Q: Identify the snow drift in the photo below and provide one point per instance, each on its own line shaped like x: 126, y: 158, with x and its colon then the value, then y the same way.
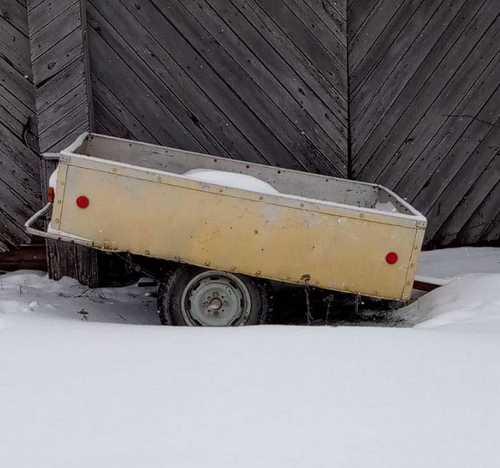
x: 77, y: 393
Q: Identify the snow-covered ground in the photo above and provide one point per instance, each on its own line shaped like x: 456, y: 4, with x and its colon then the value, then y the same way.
x: 88, y: 379
x: 447, y: 264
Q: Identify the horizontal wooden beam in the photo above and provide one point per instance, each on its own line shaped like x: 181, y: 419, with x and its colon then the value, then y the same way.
x: 26, y: 257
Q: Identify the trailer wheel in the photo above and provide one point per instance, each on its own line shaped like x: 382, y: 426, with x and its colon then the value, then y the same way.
x: 195, y: 297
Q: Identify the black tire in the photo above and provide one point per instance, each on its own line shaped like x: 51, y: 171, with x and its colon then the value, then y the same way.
x: 171, y: 296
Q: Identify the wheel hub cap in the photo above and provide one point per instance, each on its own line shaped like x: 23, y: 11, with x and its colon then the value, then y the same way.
x: 215, y: 299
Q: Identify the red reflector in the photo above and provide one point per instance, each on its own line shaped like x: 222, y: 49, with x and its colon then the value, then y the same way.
x: 82, y: 201
x: 51, y: 195
x: 391, y: 258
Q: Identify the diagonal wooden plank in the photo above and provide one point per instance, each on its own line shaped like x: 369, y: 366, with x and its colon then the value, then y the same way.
x: 203, y: 110
x: 60, y: 84
x: 14, y: 203
x: 449, y: 146
x: 214, y: 86
x: 431, y: 77
x: 466, y: 190
x: 367, y: 44
x: 56, y: 31
x: 114, y: 126
x: 458, y: 71
x: 32, y: 4
x: 107, y: 66
x: 480, y: 221
x: 126, y: 66
x: 116, y: 29
x: 302, y: 91
x: 11, y: 234
x: 330, y: 67
x: 19, y: 156
x: 308, y: 73
x: 333, y: 17
x: 16, y: 84
x: 61, y: 108
x: 482, y: 57
x: 358, y: 14
x: 15, y: 13
x: 19, y: 167
x: 10, y: 118
x: 428, y: 71
x: 3, y: 246
x: 239, y: 80
x: 14, y: 48
x: 76, y: 117
x: 47, y: 65
x: 407, y: 26
x: 492, y: 232
x: 404, y: 70
x: 113, y: 109
x: 101, y: 128
x: 71, y: 133
x: 327, y: 149
x: 18, y: 110
x: 315, y: 25
x: 45, y: 13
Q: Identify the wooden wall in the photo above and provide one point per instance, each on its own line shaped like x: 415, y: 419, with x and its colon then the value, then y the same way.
x: 59, y: 57
x: 251, y: 79
x: 425, y: 108
x: 267, y: 81
x: 19, y: 164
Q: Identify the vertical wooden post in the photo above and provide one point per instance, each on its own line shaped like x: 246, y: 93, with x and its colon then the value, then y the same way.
x: 59, y: 57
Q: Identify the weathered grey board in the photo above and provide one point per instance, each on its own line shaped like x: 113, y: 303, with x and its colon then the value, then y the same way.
x: 313, y: 123
x: 15, y: 14
x: 261, y: 81
x: 60, y: 26
x: 477, y: 176
x: 425, y: 108
x: 127, y: 126
x: 19, y: 163
x: 14, y: 48
x: 481, y: 225
x: 45, y: 12
x: 63, y: 105
x: 392, y: 124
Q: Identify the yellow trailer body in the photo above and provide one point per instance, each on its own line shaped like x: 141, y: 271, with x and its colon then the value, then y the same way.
x: 303, y: 234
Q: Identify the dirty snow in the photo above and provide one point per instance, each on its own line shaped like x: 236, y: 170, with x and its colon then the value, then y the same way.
x: 88, y: 378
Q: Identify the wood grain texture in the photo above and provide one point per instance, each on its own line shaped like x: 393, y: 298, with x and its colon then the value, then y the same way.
x: 249, y: 80
x: 46, y: 12
x: 63, y: 104
x: 19, y: 163
x: 60, y: 70
x: 14, y: 12
x: 425, y: 108
x: 53, y: 32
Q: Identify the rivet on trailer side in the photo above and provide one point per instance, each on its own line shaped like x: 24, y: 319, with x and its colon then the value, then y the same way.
x: 230, y: 227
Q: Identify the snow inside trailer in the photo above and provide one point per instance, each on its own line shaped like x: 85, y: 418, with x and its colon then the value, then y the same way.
x: 266, y: 179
